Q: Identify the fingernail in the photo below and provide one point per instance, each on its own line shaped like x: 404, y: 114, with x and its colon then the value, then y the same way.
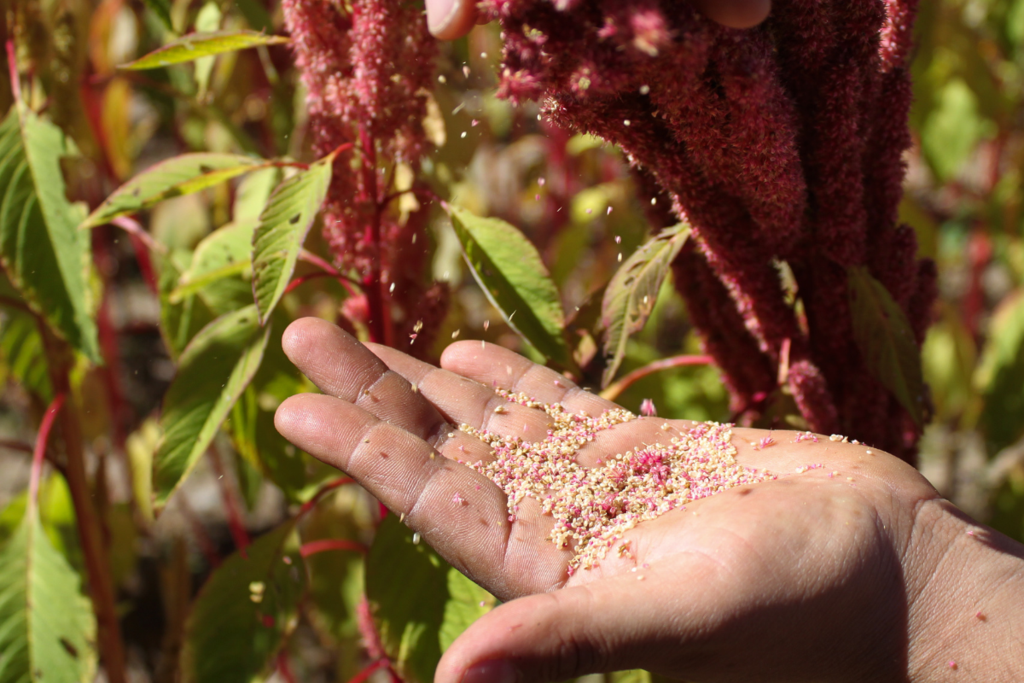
x: 494, y: 671
x: 439, y: 14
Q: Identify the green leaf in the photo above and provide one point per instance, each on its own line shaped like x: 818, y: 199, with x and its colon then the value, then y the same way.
x: 213, y: 371
x: 633, y: 291
x: 886, y: 341
x: 178, y: 176
x: 419, y: 602
x: 179, y: 322
x: 953, y: 129
x: 207, y: 21
x: 513, y: 276
x: 21, y: 348
x: 1000, y: 376
x: 162, y: 10
x: 46, y: 259
x: 244, y: 611
x: 282, y: 229
x: 218, y: 260
x: 193, y: 46
x: 46, y: 624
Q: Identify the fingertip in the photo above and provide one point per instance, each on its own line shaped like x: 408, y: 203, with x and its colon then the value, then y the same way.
x: 450, y: 19
x: 296, y: 336
x: 736, y: 13
x: 286, y: 417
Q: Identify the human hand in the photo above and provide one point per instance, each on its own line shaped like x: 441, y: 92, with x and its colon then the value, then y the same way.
x: 451, y: 19
x: 857, y: 571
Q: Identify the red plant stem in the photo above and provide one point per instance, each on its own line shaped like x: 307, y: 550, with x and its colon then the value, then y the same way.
x: 372, y: 285
x: 325, y: 544
x: 12, y: 69
x: 206, y: 546
x: 348, y: 283
x: 60, y: 360
x: 323, y: 491
x: 40, y: 450
x: 16, y: 446
x: 235, y: 523
x: 368, y: 671
x: 303, y: 279
x: 134, y: 228
x: 285, y: 668
x: 613, y: 391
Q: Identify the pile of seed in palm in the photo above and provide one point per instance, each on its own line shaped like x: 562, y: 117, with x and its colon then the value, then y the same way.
x: 593, y: 507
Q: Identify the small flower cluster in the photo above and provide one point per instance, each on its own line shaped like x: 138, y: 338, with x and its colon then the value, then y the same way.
x: 593, y: 507
x: 780, y: 144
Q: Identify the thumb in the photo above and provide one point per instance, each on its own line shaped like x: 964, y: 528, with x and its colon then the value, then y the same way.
x: 595, y: 628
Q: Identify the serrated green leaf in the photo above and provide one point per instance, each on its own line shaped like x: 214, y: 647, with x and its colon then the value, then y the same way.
x: 420, y: 603
x: 282, y: 229
x: 1000, y: 376
x: 44, y: 256
x: 21, y: 348
x: 218, y: 261
x: 181, y: 175
x: 179, y: 322
x: 213, y: 371
x: 46, y: 624
x: 193, y: 46
x: 244, y: 611
x: 633, y: 291
x: 514, y: 278
x: 886, y: 341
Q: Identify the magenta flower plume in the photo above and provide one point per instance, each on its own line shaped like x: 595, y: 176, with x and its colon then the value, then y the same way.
x: 367, y: 68
x: 780, y: 144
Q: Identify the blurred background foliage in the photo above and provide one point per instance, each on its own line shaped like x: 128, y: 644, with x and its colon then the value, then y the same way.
x: 570, y: 194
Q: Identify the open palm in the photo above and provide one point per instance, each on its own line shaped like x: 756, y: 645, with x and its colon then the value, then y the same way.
x: 808, y: 577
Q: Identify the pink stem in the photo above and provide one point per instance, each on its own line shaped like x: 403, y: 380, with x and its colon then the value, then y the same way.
x: 323, y: 491
x: 613, y: 391
x: 133, y: 227
x: 325, y: 544
x: 13, y: 70
x: 368, y: 671
x: 235, y: 523
x: 40, y: 449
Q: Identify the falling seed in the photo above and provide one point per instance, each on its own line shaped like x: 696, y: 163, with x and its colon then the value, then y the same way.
x: 536, y: 197
x: 654, y: 201
x: 620, y: 257
x: 500, y: 410
x: 482, y: 603
x: 474, y: 123
x: 441, y: 79
x: 483, y: 55
x: 541, y: 181
x: 465, y: 71
x: 391, y: 289
x: 869, y: 452
x: 645, y: 89
x: 618, y: 238
x: 608, y: 212
x: 487, y: 323
x: 589, y: 211
x: 415, y: 389
x: 626, y: 122
x: 463, y: 136
x: 455, y: 334
x: 416, y: 538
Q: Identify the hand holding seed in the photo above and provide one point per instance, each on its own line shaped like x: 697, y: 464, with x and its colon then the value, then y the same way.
x: 846, y: 567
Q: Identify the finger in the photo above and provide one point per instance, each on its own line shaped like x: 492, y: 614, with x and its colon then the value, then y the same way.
x: 613, y: 624
x: 465, y: 401
x: 494, y: 365
x: 340, y: 366
x: 460, y: 512
x: 450, y: 19
x: 735, y: 13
